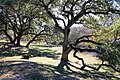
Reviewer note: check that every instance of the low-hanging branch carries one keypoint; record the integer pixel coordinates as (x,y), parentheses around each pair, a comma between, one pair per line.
(85,65)
(88,50)
(84,50)
(87,37)
(76,49)
(89,41)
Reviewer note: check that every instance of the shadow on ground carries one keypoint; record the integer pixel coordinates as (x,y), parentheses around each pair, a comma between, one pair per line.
(36,52)
(44,53)
(43,45)
(25,70)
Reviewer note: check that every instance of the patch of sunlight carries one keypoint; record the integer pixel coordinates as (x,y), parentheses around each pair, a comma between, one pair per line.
(7,75)
(3,40)
(44,60)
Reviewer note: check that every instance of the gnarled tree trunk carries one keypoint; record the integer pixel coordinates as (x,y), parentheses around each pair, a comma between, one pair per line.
(65,53)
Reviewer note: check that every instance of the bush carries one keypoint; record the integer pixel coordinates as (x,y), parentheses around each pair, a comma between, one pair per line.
(110,53)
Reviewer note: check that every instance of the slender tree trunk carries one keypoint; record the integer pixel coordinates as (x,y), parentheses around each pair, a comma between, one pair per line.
(40,33)
(8,36)
(18,40)
(65,53)
(30,42)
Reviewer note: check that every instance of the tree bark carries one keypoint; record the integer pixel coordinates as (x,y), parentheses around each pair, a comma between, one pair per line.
(9,37)
(18,40)
(65,52)
(64,60)
(6,33)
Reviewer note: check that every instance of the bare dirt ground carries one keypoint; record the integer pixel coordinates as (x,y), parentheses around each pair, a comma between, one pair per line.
(44,68)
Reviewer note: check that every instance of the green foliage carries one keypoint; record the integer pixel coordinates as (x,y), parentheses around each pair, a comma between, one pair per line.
(110,52)
(106,30)
(104,27)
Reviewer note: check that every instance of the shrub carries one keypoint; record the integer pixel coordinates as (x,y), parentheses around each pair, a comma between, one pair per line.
(110,53)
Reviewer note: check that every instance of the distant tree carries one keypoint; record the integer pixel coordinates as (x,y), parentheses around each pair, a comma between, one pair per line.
(21,19)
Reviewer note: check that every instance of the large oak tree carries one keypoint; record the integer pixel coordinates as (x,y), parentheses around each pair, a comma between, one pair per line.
(70,12)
